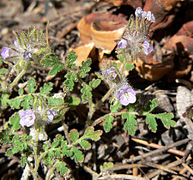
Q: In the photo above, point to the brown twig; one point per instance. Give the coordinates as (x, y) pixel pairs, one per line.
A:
(153, 145)
(157, 151)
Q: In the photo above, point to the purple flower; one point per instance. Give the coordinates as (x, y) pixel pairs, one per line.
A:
(147, 47)
(27, 118)
(51, 113)
(150, 17)
(111, 73)
(122, 44)
(27, 55)
(126, 95)
(138, 12)
(5, 52)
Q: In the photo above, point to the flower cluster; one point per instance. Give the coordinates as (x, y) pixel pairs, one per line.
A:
(30, 46)
(29, 117)
(123, 91)
(134, 39)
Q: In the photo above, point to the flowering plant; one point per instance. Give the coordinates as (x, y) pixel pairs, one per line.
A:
(35, 106)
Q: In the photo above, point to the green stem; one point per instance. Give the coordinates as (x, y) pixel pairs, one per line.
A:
(37, 160)
(19, 76)
(50, 171)
(106, 96)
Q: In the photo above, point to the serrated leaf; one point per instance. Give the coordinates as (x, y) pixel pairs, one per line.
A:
(49, 60)
(154, 104)
(74, 135)
(70, 60)
(129, 66)
(95, 83)
(85, 144)
(27, 102)
(4, 100)
(14, 121)
(77, 155)
(130, 123)
(3, 71)
(23, 161)
(55, 101)
(46, 88)
(106, 165)
(166, 119)
(115, 106)
(20, 91)
(61, 168)
(91, 134)
(151, 121)
(73, 101)
(15, 103)
(108, 123)
(31, 85)
(56, 68)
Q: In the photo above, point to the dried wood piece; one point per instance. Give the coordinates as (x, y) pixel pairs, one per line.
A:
(102, 29)
(134, 4)
(83, 52)
(151, 69)
(186, 29)
(161, 10)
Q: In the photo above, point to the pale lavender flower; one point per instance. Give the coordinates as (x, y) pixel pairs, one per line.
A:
(122, 44)
(126, 95)
(50, 114)
(144, 14)
(27, 55)
(111, 73)
(150, 17)
(147, 47)
(27, 118)
(5, 52)
(138, 12)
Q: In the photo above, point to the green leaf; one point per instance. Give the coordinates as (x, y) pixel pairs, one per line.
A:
(3, 71)
(49, 60)
(129, 66)
(86, 93)
(4, 100)
(15, 103)
(74, 135)
(130, 123)
(85, 144)
(95, 83)
(20, 91)
(70, 60)
(115, 106)
(61, 168)
(46, 88)
(77, 155)
(106, 165)
(84, 68)
(55, 101)
(91, 134)
(14, 121)
(150, 119)
(31, 85)
(56, 68)
(166, 119)
(108, 123)
(27, 102)
(154, 104)
(23, 161)
(73, 101)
